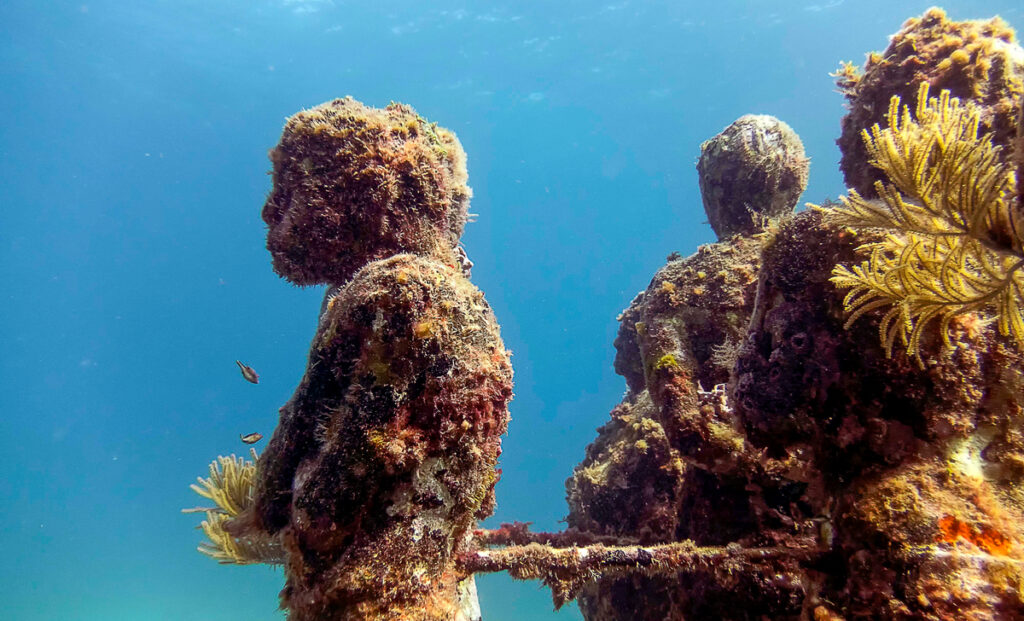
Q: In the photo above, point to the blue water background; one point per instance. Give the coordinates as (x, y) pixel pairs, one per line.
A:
(133, 167)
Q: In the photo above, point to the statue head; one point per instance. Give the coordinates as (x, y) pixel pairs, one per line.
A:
(353, 184)
(752, 171)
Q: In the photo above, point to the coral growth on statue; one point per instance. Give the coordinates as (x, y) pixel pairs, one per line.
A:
(976, 61)
(674, 453)
(899, 459)
(353, 184)
(752, 171)
(384, 458)
(824, 410)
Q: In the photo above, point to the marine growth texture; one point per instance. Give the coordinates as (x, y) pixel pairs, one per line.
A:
(904, 479)
(755, 169)
(673, 464)
(977, 61)
(384, 458)
(354, 183)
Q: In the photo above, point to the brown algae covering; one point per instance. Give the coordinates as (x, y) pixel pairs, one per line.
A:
(354, 183)
(906, 477)
(671, 462)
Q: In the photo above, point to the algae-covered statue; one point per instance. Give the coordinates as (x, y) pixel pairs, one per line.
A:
(824, 409)
(384, 458)
(675, 441)
(886, 424)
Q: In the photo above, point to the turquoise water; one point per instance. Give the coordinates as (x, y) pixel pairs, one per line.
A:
(133, 149)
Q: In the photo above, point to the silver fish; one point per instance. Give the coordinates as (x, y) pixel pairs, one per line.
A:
(248, 373)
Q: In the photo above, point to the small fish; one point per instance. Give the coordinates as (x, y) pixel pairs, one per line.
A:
(204, 510)
(464, 261)
(251, 438)
(248, 373)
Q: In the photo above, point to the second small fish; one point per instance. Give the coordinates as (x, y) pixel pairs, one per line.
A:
(248, 373)
(252, 438)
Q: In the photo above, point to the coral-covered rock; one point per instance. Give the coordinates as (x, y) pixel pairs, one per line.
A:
(755, 169)
(353, 184)
(957, 539)
(977, 61)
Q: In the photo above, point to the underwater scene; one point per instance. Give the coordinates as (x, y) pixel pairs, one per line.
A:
(444, 311)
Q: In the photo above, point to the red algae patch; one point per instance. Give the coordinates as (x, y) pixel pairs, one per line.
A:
(953, 529)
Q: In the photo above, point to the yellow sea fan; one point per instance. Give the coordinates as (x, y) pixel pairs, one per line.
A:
(230, 486)
(954, 241)
(230, 550)
(231, 483)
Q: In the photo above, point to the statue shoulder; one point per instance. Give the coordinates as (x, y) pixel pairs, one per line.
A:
(413, 299)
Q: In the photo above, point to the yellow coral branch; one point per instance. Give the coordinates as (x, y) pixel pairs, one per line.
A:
(954, 244)
(230, 550)
(230, 486)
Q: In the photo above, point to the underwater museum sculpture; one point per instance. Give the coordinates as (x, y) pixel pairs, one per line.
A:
(384, 458)
(780, 452)
(674, 430)
(975, 60)
(904, 470)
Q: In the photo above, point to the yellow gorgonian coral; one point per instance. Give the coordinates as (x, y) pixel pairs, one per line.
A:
(954, 241)
(230, 486)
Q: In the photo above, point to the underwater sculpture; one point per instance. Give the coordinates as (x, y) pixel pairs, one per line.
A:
(778, 462)
(904, 472)
(753, 171)
(673, 443)
(384, 458)
(911, 462)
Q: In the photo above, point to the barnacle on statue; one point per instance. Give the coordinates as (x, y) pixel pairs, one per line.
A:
(954, 242)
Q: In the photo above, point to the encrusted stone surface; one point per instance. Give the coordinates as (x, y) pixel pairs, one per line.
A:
(906, 478)
(913, 470)
(353, 184)
(978, 61)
